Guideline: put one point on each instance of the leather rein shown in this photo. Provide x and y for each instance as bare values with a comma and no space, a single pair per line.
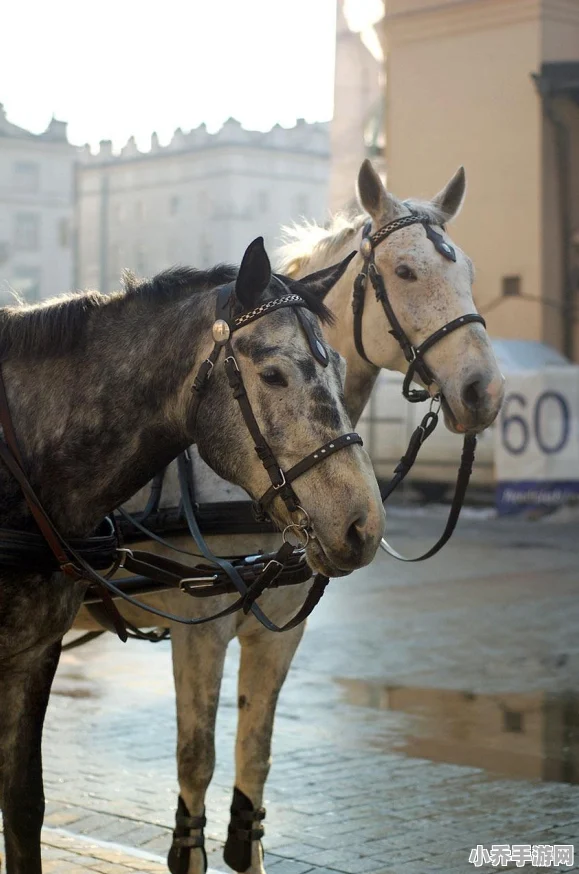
248,578
417,366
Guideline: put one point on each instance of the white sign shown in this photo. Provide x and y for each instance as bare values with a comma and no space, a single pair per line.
537,450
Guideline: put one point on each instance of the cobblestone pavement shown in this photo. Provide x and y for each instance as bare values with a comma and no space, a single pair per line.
431,708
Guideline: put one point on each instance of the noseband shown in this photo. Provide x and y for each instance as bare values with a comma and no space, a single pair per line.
417,366
414,354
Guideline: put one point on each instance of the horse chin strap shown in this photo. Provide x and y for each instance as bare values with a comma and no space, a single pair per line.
417,365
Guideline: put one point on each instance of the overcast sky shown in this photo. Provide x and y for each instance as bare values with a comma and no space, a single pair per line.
116,68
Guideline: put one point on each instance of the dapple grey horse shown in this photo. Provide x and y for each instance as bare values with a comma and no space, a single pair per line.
99,390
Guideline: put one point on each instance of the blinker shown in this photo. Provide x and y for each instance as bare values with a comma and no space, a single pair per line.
317,348
439,243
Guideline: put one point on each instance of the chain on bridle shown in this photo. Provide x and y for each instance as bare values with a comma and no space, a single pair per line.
417,366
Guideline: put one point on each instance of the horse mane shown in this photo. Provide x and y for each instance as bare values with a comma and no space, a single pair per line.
310,246
58,325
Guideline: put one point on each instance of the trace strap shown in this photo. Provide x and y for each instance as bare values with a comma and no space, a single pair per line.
417,365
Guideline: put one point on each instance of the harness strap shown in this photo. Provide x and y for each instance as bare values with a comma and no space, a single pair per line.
313,597
417,365
279,482
310,461
465,470
358,300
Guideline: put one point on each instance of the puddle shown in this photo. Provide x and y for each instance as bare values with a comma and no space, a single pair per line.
534,735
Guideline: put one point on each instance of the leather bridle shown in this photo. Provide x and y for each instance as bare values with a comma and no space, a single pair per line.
417,365
223,328
167,572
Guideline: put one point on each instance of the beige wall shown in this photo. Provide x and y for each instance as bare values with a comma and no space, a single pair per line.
459,91
357,89
559,42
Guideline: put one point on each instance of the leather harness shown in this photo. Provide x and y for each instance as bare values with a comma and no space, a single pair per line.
416,365
70,559
249,576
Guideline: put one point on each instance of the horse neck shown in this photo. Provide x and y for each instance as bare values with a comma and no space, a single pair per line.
94,426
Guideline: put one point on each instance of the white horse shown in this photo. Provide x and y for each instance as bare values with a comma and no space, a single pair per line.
426,291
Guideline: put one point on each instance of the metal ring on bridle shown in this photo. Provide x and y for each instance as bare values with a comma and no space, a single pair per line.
293,526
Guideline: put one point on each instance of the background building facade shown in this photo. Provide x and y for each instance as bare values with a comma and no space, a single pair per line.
200,200
36,210
494,85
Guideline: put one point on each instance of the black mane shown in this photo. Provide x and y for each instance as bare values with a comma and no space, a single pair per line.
175,282
58,325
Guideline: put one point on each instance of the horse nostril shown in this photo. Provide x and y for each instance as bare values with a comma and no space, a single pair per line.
473,393
355,536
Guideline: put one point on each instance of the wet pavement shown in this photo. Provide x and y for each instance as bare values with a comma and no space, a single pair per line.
431,709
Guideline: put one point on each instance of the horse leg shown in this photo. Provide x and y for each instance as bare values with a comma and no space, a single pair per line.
198,657
265,661
25,689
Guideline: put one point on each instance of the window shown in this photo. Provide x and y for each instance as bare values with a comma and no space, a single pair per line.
26,281
174,205
26,176
262,201
64,233
26,231
513,721
511,286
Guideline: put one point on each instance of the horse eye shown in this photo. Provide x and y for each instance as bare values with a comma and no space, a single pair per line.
404,272
273,376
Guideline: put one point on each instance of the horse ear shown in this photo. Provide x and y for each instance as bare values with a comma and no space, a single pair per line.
373,197
449,201
322,281
254,275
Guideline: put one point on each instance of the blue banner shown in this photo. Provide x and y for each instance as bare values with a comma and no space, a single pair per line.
512,497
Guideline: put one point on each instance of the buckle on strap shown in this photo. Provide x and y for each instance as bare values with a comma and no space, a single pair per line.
282,483
235,364
203,375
